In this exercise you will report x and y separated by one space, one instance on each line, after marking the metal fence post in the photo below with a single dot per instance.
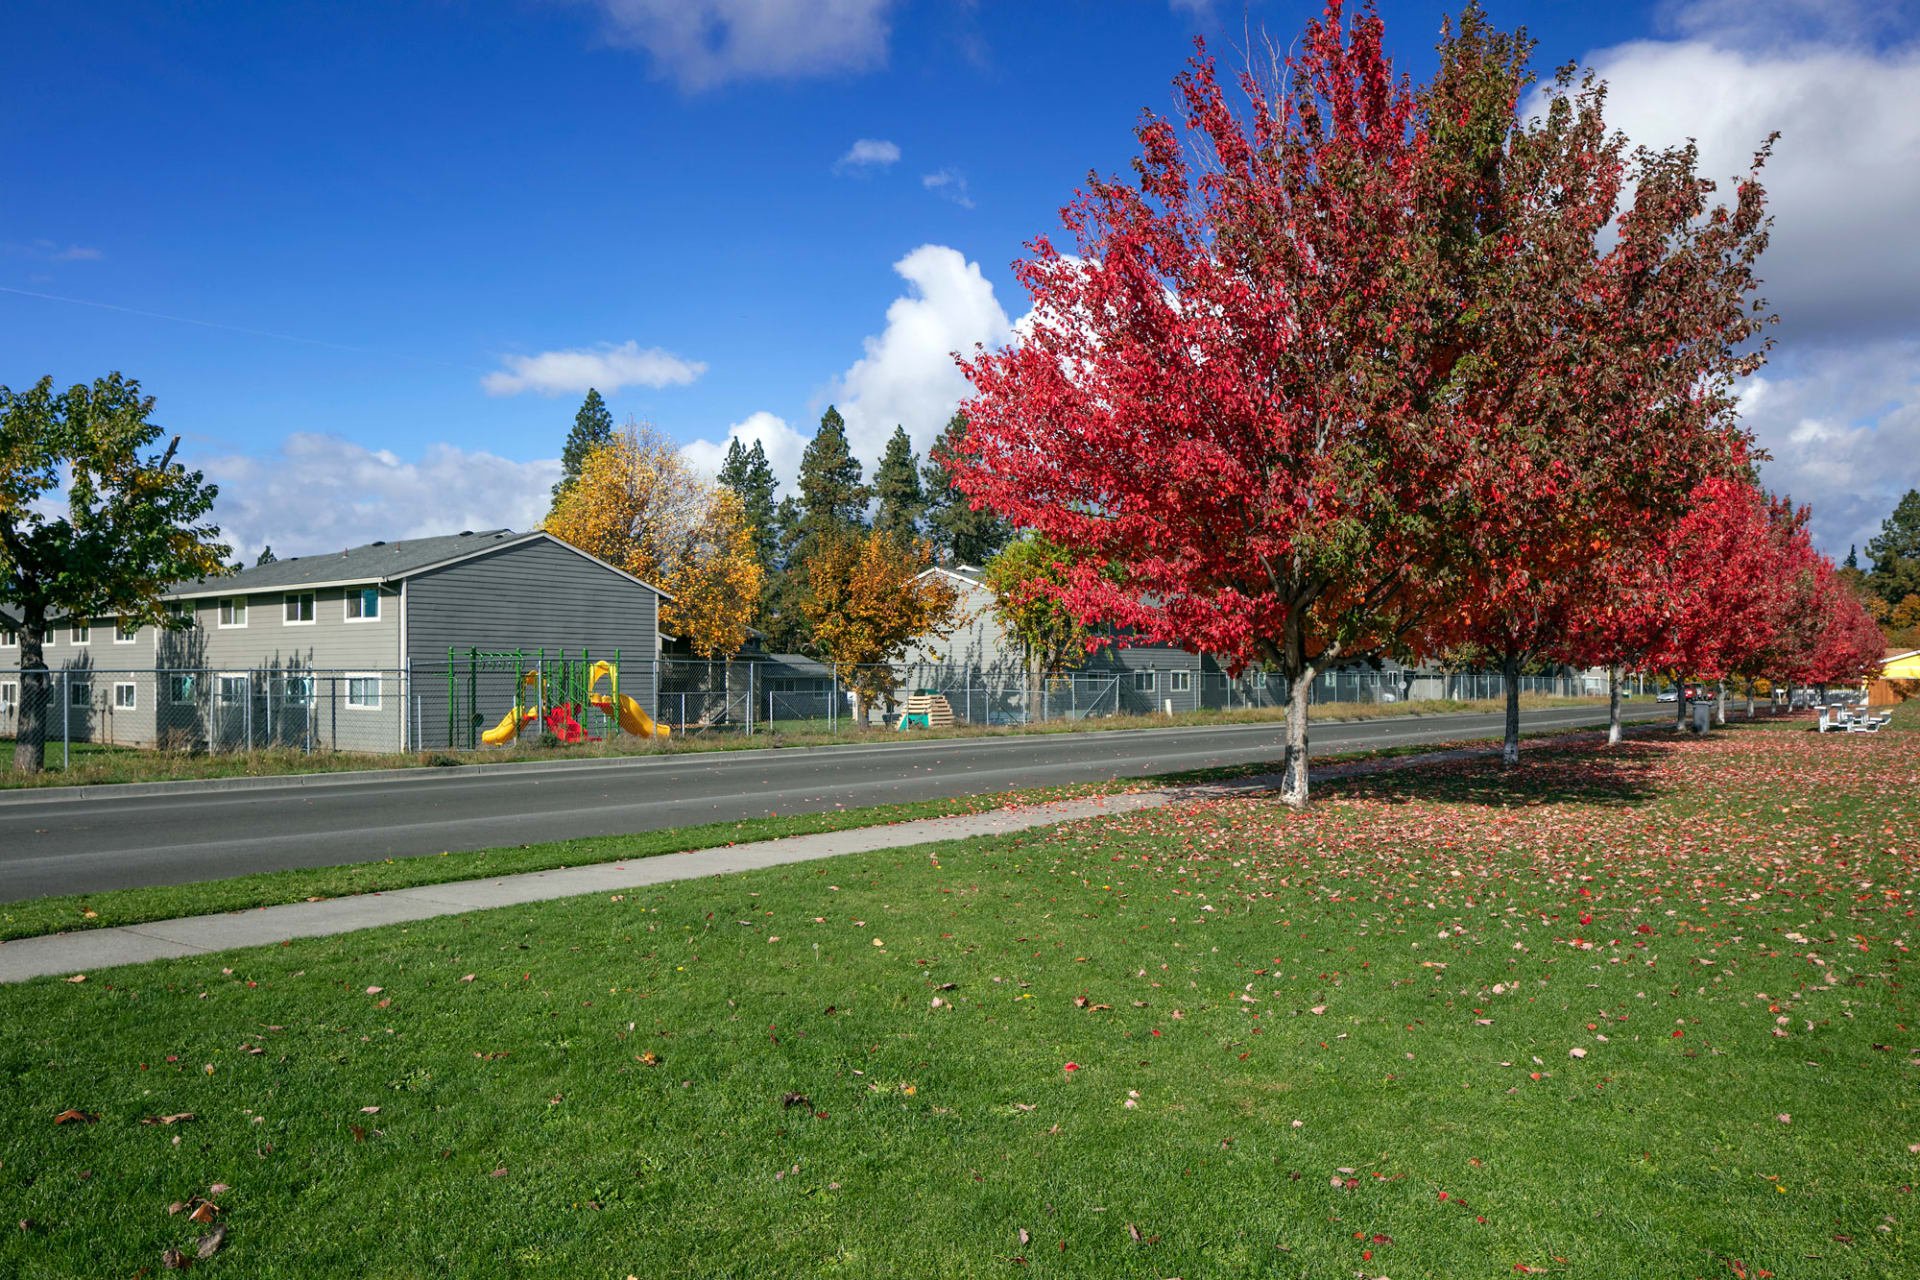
66 720
749 699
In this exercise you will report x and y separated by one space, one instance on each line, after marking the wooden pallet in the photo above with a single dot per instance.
934 706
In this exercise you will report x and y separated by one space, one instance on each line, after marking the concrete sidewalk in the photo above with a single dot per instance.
68 953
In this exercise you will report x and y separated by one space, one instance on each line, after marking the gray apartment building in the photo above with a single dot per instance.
342 650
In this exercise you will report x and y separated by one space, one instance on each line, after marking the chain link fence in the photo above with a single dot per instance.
469 706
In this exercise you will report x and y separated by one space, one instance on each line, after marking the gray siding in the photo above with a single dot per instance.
531 596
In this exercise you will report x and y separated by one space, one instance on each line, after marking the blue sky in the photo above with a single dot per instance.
408 231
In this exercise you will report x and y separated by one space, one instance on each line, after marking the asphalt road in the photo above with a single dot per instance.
87 845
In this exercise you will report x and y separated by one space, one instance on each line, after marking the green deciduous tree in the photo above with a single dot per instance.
896 486
592 427
135 521
1027 579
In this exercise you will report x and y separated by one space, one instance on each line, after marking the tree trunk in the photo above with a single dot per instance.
1679 703
1510 747
1749 699
1613 706
1720 704
861 707
1036 689
30 738
1299 694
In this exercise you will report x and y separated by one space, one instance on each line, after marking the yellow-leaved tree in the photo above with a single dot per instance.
640 505
866 601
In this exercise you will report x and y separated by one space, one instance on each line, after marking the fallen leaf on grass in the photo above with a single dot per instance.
792 1100
501 1172
469 977
78 977
174 1260
73 1115
208 1245
178 1117
206 1211
369 1111
217 1188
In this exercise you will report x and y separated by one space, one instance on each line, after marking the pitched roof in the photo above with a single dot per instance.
374 562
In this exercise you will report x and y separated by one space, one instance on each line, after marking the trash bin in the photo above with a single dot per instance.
1702 716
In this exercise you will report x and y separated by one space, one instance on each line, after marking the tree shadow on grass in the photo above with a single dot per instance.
1588 773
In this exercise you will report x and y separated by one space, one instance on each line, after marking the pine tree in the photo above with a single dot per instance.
1895 552
896 484
750 476
266 556
832 497
960 534
592 427
1853 556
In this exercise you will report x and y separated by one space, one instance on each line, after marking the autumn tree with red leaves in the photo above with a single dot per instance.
1220 403
1597 378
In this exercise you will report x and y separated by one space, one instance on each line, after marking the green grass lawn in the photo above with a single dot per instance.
1630 1013
99 763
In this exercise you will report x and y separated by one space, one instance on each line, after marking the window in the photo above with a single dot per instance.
9 697
1143 681
180 690
1180 681
9 637
363 693
181 611
1259 679
124 696
80 693
363 604
125 632
233 611
233 690
81 632
299 608
298 691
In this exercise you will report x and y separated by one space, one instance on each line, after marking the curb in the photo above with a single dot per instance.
56 794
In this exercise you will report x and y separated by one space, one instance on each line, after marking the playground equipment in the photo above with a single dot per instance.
926 709
552 692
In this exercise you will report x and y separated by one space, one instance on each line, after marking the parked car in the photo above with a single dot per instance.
1669 696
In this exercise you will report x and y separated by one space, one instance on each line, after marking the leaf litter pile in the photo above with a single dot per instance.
1632 1012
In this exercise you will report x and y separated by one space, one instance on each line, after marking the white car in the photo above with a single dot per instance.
1668 696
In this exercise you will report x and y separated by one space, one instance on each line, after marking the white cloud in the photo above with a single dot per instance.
323 493
607 367
907 376
949 184
1839 404
1844 179
780 442
704 43
54 251
867 154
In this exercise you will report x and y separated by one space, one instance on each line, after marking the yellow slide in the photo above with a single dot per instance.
507 730
511 724
632 719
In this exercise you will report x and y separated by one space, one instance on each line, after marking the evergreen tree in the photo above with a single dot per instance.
592 427
266 556
832 497
1895 552
749 475
1853 557
960 534
896 484
782 623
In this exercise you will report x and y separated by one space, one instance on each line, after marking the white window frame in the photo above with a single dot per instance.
133 696
9 697
80 633
378 690
361 595
1180 682
228 613
182 611
1260 679
121 636
312 609
1144 682
81 687
220 688
192 679
9 636
291 699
